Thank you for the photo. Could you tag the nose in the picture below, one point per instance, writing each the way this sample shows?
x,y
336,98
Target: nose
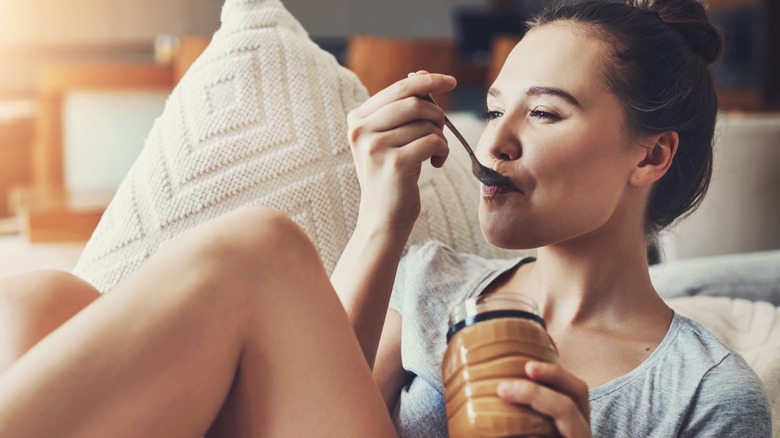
x,y
501,142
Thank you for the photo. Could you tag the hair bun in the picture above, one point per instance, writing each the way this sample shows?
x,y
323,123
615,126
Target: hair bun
x,y
689,19
703,38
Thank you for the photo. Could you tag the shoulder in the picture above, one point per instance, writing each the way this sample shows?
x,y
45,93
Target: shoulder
x,y
730,399
432,279
697,344
697,349
422,271
437,264
693,385
434,267
439,254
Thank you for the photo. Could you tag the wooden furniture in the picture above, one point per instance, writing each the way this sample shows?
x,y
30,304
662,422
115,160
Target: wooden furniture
x,y
381,61
58,216
187,51
499,51
47,209
17,130
56,81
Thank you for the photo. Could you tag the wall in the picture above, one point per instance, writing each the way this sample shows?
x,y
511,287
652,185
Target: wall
x,y
741,210
412,18
38,31
107,128
90,21
97,22
35,32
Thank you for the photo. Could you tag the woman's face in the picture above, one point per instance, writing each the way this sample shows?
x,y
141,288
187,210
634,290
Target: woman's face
x,y
558,133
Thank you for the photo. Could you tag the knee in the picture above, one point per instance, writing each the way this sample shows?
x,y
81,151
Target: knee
x,y
44,294
255,236
32,305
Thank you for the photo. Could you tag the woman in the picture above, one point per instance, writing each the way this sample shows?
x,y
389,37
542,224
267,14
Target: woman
x,y
602,118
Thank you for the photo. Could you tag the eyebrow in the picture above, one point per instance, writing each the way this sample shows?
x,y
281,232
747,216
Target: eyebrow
x,y
541,91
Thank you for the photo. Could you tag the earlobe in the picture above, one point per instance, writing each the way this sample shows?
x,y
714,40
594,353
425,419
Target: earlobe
x,y
657,159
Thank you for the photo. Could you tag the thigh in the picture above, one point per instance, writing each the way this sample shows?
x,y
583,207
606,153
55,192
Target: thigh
x,y
33,305
235,320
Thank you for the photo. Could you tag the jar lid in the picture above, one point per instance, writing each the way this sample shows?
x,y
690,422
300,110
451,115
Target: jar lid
x,y
493,314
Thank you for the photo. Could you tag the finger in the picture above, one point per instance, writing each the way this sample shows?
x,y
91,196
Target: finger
x,y
432,146
437,160
411,143
406,134
418,85
404,111
559,379
569,420
392,117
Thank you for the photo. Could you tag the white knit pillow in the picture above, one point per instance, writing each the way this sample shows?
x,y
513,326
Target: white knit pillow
x,y
259,119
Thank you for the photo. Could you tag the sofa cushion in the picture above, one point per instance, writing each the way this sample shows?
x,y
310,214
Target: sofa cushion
x,y
752,276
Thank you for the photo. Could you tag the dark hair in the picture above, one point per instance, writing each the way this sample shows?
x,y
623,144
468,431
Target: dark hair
x,y
661,50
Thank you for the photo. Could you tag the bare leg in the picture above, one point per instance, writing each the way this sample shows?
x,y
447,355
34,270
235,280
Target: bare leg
x,y
32,305
231,329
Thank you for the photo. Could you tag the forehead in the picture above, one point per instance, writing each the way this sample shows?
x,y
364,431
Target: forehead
x,y
564,54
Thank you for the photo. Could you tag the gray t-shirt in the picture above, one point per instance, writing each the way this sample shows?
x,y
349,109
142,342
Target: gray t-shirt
x,y
691,385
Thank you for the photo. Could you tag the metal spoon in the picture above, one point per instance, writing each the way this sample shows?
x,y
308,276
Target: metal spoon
x,y
484,174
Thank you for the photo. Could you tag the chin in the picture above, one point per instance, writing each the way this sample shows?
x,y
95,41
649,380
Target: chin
x,y
510,242
507,234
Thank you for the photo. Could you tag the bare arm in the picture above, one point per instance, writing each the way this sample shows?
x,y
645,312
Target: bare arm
x,y
364,280
389,373
391,135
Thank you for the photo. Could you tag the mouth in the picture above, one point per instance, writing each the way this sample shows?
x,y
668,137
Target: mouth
x,y
498,189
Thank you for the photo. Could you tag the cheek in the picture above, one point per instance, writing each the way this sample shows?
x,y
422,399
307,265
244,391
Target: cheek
x,y
578,159
584,178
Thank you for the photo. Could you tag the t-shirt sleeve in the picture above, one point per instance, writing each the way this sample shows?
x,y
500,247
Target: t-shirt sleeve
x,y
730,402
397,296
399,285
412,273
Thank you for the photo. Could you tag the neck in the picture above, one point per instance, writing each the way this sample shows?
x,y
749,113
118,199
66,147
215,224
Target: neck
x,y
596,280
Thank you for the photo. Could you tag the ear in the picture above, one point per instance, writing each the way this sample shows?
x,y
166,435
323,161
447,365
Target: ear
x,y
657,159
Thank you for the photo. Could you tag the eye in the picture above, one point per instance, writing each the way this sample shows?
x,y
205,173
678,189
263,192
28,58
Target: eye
x,y
543,115
492,115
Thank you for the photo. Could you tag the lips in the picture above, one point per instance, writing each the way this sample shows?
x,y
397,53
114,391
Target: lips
x,y
497,190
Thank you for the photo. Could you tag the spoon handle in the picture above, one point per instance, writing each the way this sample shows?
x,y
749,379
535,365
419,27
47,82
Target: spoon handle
x,y
452,127
458,135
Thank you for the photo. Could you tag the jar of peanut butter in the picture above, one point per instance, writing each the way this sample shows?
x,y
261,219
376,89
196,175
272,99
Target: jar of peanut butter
x,y
489,341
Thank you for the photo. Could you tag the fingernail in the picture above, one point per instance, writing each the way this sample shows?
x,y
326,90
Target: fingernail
x,y
412,74
504,388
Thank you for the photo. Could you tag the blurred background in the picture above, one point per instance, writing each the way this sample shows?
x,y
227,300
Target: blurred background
x,y
82,81
37,32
